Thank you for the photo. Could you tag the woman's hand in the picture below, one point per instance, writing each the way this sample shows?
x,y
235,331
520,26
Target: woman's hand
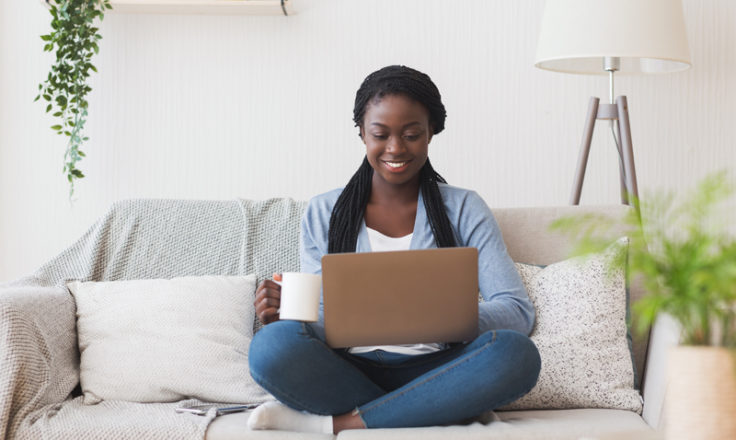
x,y
268,300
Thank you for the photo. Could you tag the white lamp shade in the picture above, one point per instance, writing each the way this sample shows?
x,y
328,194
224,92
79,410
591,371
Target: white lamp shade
x,y
647,35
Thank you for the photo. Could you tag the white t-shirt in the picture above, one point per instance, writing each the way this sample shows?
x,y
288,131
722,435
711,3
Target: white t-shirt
x,y
381,243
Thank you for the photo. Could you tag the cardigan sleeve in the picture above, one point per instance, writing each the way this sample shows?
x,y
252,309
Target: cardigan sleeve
x,y
505,304
313,239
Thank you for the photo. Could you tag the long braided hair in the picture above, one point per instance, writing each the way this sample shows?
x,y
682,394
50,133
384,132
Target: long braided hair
x,y
349,209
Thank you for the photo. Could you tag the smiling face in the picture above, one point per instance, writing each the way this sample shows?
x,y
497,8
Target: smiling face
x,y
396,132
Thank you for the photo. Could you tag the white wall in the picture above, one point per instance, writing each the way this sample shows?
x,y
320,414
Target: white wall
x,y
208,107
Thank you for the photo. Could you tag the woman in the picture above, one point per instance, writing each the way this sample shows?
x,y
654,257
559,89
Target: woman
x,y
396,201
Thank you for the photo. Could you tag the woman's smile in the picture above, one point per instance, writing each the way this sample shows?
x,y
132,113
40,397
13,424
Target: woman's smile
x,y
397,167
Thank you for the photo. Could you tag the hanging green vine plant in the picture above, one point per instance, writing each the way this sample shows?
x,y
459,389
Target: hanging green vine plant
x,y
74,39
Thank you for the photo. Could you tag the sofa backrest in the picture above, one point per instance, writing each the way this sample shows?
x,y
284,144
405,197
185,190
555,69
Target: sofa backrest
x,y
153,238
159,238
529,240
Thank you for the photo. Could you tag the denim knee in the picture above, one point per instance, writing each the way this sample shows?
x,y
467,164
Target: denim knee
x,y
525,357
272,346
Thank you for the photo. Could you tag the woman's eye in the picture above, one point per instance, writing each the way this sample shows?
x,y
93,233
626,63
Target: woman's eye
x,y
379,136
411,137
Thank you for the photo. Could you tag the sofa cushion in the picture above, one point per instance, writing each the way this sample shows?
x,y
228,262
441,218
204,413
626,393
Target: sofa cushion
x,y
581,334
164,340
113,419
581,424
501,425
235,427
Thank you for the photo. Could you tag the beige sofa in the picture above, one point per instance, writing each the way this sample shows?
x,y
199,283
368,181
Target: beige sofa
x,y
167,238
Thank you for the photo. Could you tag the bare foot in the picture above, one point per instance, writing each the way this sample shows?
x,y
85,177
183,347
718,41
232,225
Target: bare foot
x,y
347,421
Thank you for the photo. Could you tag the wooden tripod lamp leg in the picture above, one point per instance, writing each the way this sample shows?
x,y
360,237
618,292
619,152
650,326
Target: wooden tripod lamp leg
x,y
621,170
577,187
626,146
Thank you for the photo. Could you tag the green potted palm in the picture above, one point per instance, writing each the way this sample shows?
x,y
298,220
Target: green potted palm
x,y
680,249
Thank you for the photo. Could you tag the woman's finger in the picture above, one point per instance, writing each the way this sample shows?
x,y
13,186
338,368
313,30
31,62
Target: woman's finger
x,y
267,302
268,315
270,284
265,289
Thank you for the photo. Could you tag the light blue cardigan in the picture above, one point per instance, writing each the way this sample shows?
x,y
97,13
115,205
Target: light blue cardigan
x,y
505,302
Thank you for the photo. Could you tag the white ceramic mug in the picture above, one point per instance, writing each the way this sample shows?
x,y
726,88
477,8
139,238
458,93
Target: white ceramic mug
x,y
300,296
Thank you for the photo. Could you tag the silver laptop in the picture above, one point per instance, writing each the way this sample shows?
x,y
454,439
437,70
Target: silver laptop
x,y
400,297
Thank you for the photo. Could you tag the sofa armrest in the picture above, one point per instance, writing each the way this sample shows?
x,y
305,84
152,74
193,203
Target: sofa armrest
x,y
39,361
665,335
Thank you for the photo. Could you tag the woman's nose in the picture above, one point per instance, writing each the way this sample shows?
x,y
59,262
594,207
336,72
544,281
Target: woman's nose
x,y
394,144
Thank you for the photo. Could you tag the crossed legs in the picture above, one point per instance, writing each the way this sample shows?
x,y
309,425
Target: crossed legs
x,y
291,360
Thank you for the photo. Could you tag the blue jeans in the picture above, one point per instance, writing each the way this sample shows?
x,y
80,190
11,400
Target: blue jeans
x,y
291,360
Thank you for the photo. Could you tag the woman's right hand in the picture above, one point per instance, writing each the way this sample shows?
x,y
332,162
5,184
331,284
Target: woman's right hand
x,y
268,300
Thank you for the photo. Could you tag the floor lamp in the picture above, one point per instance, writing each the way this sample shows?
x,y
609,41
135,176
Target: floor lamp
x,y
605,37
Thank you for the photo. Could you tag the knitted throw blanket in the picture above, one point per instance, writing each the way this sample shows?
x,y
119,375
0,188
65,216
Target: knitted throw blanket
x,y
135,239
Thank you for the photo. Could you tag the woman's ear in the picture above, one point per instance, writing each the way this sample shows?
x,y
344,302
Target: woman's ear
x,y
362,134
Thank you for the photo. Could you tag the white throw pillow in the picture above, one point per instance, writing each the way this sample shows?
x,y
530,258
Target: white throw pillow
x,y
581,334
165,340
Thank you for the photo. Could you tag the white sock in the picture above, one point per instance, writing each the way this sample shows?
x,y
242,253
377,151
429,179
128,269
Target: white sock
x,y
275,415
